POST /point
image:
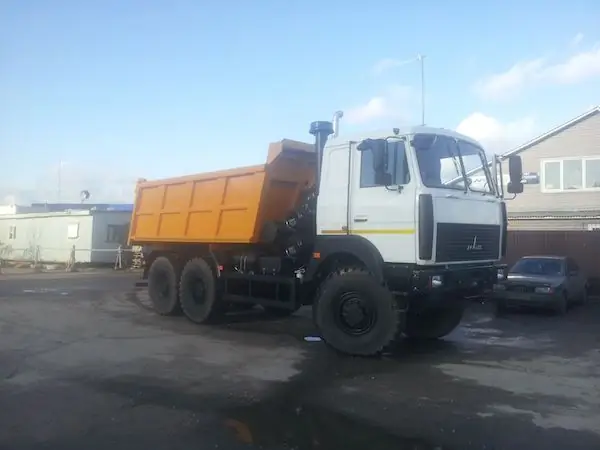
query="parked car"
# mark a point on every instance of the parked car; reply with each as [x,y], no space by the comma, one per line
[553,282]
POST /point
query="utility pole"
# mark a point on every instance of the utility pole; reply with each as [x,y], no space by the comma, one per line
[421,59]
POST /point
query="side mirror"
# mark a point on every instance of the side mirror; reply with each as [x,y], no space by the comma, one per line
[380,152]
[515,171]
[378,148]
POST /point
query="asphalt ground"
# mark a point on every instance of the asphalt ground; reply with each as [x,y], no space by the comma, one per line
[85,363]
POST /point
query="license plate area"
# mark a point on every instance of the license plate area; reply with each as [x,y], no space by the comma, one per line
[518,295]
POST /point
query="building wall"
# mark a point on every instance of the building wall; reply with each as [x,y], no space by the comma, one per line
[580,140]
[51,236]
[110,230]
[46,235]
[18,209]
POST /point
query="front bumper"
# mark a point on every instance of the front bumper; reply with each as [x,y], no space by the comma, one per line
[441,283]
[527,299]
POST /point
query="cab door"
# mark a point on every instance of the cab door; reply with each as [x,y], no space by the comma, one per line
[382,202]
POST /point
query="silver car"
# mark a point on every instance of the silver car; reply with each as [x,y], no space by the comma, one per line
[554,282]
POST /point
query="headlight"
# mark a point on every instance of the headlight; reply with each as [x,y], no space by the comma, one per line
[544,290]
[436,281]
[499,287]
[500,275]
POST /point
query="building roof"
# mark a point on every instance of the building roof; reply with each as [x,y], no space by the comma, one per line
[553,132]
[56,207]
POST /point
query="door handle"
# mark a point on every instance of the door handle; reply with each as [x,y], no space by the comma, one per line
[451,196]
[361,219]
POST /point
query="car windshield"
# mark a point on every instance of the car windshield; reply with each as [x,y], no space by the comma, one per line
[540,266]
[441,161]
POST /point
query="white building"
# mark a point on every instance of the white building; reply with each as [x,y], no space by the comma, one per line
[17,209]
[49,237]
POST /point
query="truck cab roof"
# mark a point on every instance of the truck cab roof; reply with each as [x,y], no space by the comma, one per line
[404,130]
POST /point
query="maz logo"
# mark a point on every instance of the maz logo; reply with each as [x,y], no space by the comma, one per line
[474,245]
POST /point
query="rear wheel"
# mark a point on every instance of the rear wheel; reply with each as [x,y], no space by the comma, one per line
[198,292]
[162,286]
[433,323]
[356,314]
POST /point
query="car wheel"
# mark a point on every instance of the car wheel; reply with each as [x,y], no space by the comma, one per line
[562,307]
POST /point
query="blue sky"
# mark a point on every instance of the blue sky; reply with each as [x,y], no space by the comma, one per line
[124,89]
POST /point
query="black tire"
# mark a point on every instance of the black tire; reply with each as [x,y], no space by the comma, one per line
[357,288]
[163,287]
[433,323]
[562,306]
[198,293]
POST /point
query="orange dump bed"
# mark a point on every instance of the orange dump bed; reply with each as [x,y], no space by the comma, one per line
[228,206]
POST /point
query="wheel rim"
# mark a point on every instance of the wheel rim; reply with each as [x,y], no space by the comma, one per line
[163,285]
[197,291]
[355,315]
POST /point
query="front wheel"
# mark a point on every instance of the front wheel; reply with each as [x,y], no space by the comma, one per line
[433,323]
[355,314]
[561,307]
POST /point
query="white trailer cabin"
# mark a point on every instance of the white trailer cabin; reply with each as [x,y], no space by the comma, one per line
[50,236]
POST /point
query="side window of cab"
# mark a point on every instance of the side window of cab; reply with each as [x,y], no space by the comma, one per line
[391,171]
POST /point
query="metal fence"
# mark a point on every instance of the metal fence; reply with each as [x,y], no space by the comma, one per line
[582,246]
[120,257]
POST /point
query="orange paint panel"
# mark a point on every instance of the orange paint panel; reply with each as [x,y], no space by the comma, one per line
[207,194]
[146,225]
[226,207]
[151,198]
[170,225]
[202,225]
[176,197]
[235,225]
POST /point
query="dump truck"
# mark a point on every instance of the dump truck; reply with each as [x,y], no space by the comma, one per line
[383,233]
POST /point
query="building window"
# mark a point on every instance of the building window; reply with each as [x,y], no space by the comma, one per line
[73,231]
[592,174]
[116,234]
[551,175]
[571,174]
[12,232]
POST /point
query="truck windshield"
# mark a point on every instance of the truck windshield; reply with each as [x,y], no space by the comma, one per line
[441,161]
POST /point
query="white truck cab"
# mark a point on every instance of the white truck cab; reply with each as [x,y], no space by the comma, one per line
[406,190]
[404,238]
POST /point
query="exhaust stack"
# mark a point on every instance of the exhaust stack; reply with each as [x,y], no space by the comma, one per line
[321,131]
[336,122]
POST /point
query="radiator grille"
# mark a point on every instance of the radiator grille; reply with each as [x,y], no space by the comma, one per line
[467,242]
